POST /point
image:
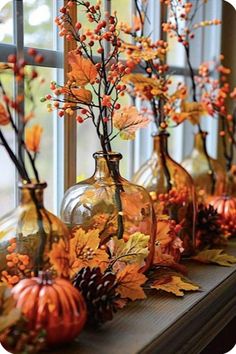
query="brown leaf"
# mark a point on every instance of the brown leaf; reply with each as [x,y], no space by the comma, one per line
[83,70]
[4,117]
[216,256]
[129,283]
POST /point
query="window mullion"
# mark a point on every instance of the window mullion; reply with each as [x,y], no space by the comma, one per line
[70,131]
[18,20]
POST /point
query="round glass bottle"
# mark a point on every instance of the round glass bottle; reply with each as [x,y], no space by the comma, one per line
[208,175]
[171,189]
[31,238]
[110,203]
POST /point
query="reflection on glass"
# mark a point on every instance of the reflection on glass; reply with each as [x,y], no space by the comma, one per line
[6,21]
[38,23]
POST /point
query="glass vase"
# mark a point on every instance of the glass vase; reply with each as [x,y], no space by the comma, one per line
[110,203]
[171,189]
[208,175]
[32,239]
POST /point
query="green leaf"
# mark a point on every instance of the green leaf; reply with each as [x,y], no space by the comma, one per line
[216,256]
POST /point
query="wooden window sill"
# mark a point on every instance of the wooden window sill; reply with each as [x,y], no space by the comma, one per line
[165,324]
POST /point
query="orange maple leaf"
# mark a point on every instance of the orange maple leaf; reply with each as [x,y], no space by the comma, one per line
[130,281]
[128,120]
[83,70]
[4,117]
[33,137]
[59,258]
[81,94]
[85,251]
[174,284]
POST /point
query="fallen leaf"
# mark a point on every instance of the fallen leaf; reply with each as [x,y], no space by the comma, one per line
[33,137]
[129,283]
[85,251]
[4,116]
[174,285]
[135,250]
[83,70]
[128,120]
[216,256]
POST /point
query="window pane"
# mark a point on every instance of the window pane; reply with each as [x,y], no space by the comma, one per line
[6,21]
[46,159]
[7,179]
[38,23]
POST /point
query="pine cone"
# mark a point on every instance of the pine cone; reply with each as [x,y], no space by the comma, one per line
[208,229]
[99,292]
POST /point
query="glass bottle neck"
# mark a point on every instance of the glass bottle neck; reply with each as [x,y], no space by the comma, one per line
[107,165]
[160,144]
[32,194]
[200,142]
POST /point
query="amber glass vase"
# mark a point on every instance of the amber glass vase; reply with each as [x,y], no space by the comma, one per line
[108,202]
[208,175]
[31,238]
[171,189]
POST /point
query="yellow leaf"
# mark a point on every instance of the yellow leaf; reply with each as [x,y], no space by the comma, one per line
[4,116]
[135,250]
[59,258]
[128,120]
[33,137]
[9,315]
[129,283]
[83,70]
[85,251]
[215,256]
[174,284]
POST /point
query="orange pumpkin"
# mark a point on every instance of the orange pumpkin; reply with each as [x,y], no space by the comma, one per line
[54,305]
[226,207]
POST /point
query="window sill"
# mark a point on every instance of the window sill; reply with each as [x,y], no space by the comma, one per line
[166,324]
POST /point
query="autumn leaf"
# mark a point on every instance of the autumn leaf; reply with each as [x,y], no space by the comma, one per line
[33,137]
[85,251]
[175,285]
[216,256]
[4,116]
[140,80]
[9,314]
[170,281]
[83,70]
[129,283]
[135,250]
[59,258]
[81,94]
[193,111]
[128,120]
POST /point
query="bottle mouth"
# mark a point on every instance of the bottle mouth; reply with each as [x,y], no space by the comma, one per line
[160,133]
[109,155]
[26,185]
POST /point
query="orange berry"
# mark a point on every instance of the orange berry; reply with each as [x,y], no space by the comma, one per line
[10,264]
[22,267]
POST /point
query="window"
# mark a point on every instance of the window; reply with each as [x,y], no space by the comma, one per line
[30,23]
[67,147]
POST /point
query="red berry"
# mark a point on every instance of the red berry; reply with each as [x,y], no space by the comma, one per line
[117,106]
[32,52]
[11,58]
[39,58]
[61,113]
[79,119]
[78,25]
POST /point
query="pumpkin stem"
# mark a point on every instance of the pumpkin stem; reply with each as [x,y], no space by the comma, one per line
[45,277]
